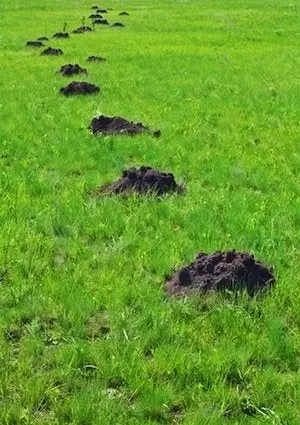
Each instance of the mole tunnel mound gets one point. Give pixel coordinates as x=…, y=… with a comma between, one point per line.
x=118, y=125
x=221, y=271
x=143, y=180
x=79, y=87
x=70, y=69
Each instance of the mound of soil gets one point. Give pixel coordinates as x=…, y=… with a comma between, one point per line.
x=143, y=180
x=118, y=24
x=101, y=11
x=93, y=16
x=72, y=70
x=118, y=125
x=81, y=30
x=43, y=39
x=61, y=35
x=220, y=271
x=124, y=14
x=79, y=87
x=100, y=22
x=53, y=52
x=95, y=7
x=35, y=44
x=96, y=59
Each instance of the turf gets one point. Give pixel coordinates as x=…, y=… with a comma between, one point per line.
x=87, y=333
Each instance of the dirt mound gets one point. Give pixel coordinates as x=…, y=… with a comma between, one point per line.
x=118, y=125
x=143, y=180
x=96, y=59
x=81, y=30
x=100, y=22
x=79, y=87
x=61, y=35
x=101, y=11
x=95, y=7
x=35, y=44
x=118, y=24
x=93, y=16
x=43, y=39
x=53, y=52
x=124, y=14
x=72, y=70
x=220, y=271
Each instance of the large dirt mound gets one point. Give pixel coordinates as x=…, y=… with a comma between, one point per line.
x=220, y=271
x=52, y=52
x=35, y=44
x=70, y=69
x=118, y=125
x=79, y=87
x=61, y=35
x=143, y=180
x=96, y=59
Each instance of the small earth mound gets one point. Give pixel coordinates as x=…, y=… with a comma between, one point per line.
x=100, y=22
x=93, y=16
x=101, y=11
x=79, y=87
x=43, y=39
x=124, y=14
x=143, y=180
x=72, y=70
x=118, y=125
x=81, y=30
x=61, y=35
x=35, y=44
x=118, y=24
x=96, y=59
x=221, y=271
x=52, y=52
x=95, y=7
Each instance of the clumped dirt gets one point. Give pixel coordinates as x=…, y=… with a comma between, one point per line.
x=118, y=24
x=95, y=7
x=220, y=271
x=93, y=16
x=35, y=44
x=82, y=30
x=96, y=59
x=61, y=35
x=79, y=87
x=124, y=14
x=101, y=11
x=70, y=69
x=100, y=22
x=118, y=125
x=143, y=180
x=43, y=38
x=52, y=52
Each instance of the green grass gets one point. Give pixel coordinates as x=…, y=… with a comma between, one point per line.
x=87, y=334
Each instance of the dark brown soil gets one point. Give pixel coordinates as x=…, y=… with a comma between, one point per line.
x=93, y=16
x=118, y=24
x=79, y=87
x=53, y=52
x=220, y=271
x=81, y=30
x=35, y=44
x=100, y=22
x=43, y=39
x=143, y=180
x=61, y=35
x=101, y=11
x=118, y=125
x=95, y=7
x=124, y=14
x=70, y=69
x=96, y=59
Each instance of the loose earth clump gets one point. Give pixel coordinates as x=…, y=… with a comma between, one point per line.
x=96, y=59
x=61, y=35
x=100, y=22
x=143, y=180
x=43, y=38
x=70, y=69
x=35, y=44
x=221, y=271
x=52, y=52
x=81, y=30
x=118, y=125
x=101, y=11
x=118, y=24
x=124, y=14
x=79, y=87
x=93, y=16
x=95, y=7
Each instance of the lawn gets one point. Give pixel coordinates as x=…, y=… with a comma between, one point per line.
x=88, y=335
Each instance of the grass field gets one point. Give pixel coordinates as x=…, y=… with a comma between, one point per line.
x=87, y=333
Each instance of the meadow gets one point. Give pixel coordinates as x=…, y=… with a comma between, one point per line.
x=88, y=335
